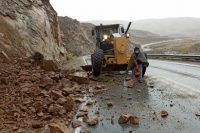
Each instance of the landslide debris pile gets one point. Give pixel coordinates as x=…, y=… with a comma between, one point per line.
x=76, y=36
x=27, y=26
x=31, y=98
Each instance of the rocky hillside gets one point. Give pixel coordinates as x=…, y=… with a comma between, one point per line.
x=78, y=40
x=27, y=26
x=144, y=37
x=76, y=36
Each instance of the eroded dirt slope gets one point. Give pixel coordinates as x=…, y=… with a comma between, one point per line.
x=76, y=37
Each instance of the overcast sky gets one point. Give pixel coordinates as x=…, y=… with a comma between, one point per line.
x=85, y=10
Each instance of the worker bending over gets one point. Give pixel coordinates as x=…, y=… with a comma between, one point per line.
x=136, y=64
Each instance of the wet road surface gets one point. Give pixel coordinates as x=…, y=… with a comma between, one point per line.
x=169, y=86
x=180, y=73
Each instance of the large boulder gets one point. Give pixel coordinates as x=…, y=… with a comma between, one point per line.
x=29, y=26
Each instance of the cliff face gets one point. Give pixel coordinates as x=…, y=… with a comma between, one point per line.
x=28, y=26
x=76, y=36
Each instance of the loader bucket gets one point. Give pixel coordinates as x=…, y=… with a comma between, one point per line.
x=111, y=67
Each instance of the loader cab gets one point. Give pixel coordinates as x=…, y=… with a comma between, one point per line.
x=108, y=30
x=105, y=34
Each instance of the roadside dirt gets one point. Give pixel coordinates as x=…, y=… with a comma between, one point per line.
x=35, y=97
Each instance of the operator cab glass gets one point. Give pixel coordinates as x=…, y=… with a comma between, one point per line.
x=105, y=34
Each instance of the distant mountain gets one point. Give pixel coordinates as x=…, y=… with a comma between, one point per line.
x=144, y=37
x=172, y=27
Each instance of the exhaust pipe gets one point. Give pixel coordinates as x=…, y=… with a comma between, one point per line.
x=129, y=25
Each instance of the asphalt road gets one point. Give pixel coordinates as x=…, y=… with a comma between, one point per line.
x=187, y=75
x=173, y=87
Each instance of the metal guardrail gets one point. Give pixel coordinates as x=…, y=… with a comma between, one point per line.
x=183, y=57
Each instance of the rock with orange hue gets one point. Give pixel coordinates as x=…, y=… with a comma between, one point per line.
x=92, y=121
x=68, y=105
x=82, y=114
x=124, y=118
x=76, y=124
x=98, y=87
x=67, y=91
x=80, y=77
x=58, y=128
x=164, y=114
x=61, y=101
x=49, y=65
x=134, y=120
x=55, y=94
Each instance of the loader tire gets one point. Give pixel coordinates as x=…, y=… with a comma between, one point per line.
x=97, y=58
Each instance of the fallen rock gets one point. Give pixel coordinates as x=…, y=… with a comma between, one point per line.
x=65, y=82
x=79, y=100
x=4, y=81
x=82, y=114
x=58, y=128
x=76, y=124
x=84, y=109
x=85, y=131
x=80, y=77
x=89, y=103
x=129, y=98
x=92, y=121
x=85, y=119
x=164, y=114
x=69, y=105
x=134, y=120
x=40, y=114
x=97, y=113
x=197, y=114
x=109, y=104
x=56, y=94
x=37, y=124
x=54, y=109
x=67, y=91
x=112, y=120
x=61, y=101
x=2, y=111
x=15, y=128
x=124, y=118
x=49, y=65
x=98, y=87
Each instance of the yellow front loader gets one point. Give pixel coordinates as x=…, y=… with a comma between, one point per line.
x=111, y=49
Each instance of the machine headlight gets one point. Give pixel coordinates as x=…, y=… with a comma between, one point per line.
x=127, y=35
x=105, y=37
